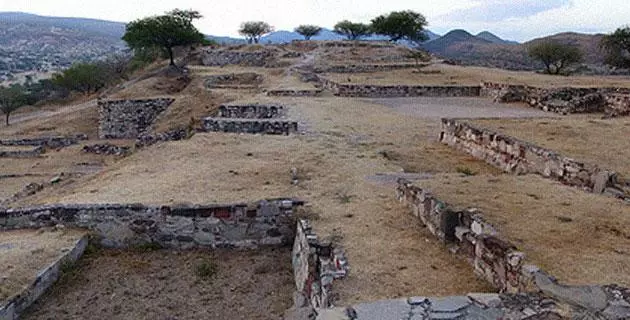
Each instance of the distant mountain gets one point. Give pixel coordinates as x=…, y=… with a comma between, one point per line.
x=283, y=36
x=489, y=50
x=486, y=35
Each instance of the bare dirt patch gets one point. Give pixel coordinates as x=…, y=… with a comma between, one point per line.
x=24, y=253
x=578, y=237
x=172, y=285
x=584, y=137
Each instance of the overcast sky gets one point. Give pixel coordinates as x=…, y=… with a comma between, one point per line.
x=515, y=20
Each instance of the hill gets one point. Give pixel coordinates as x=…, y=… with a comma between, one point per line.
x=283, y=36
x=486, y=35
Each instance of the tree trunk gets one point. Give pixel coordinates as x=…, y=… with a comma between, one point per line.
x=7, y=118
x=170, y=55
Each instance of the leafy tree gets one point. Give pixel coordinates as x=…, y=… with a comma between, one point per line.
x=351, y=30
x=308, y=31
x=401, y=25
x=617, y=47
x=166, y=32
x=253, y=30
x=11, y=99
x=83, y=77
x=555, y=56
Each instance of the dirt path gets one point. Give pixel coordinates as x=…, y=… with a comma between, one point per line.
x=58, y=112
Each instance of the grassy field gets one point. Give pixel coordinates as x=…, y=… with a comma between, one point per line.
x=586, y=138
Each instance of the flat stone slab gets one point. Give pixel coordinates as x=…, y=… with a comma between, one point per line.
x=383, y=310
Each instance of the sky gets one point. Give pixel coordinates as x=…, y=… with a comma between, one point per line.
x=519, y=20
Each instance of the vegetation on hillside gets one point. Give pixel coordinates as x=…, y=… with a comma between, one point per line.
x=11, y=99
x=166, y=32
x=555, y=56
x=617, y=47
x=308, y=31
x=253, y=30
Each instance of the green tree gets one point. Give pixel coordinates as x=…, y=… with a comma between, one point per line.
x=401, y=25
x=617, y=47
x=166, y=32
x=83, y=77
x=352, y=30
x=253, y=30
x=11, y=99
x=555, y=56
x=308, y=31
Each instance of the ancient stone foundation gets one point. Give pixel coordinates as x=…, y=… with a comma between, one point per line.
x=127, y=119
x=22, y=153
x=233, y=81
x=294, y=93
x=222, y=57
x=368, y=68
x=48, y=142
x=253, y=126
x=392, y=91
x=516, y=156
x=251, y=111
x=268, y=222
x=617, y=105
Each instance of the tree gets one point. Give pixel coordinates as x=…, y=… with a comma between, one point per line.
x=351, y=30
x=308, y=31
x=617, y=47
x=166, y=32
x=253, y=30
x=555, y=56
x=83, y=77
x=401, y=25
x=11, y=99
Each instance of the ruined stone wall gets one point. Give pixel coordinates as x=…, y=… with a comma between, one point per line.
x=316, y=264
x=251, y=111
x=233, y=80
x=127, y=119
x=49, y=142
x=560, y=100
x=617, y=105
x=391, y=91
x=222, y=57
x=368, y=68
x=269, y=222
x=22, y=153
x=294, y=93
x=516, y=156
x=493, y=259
x=262, y=126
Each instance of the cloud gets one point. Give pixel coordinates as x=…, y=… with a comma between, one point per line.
x=499, y=10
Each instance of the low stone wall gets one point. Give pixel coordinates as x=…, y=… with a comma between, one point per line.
x=392, y=91
x=107, y=149
x=294, y=93
x=316, y=264
x=516, y=156
x=127, y=119
x=222, y=57
x=494, y=259
x=251, y=111
x=148, y=139
x=48, y=142
x=369, y=68
x=617, y=105
x=45, y=279
x=262, y=126
x=22, y=153
x=269, y=222
x=560, y=100
x=233, y=80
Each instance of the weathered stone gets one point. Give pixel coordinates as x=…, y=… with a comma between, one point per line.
x=446, y=315
x=601, y=180
x=491, y=300
x=414, y=301
x=589, y=297
x=383, y=310
x=449, y=304
x=125, y=119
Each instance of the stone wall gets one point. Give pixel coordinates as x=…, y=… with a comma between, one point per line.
x=494, y=259
x=22, y=153
x=316, y=264
x=294, y=93
x=251, y=111
x=233, y=80
x=268, y=222
x=222, y=57
x=48, y=142
x=45, y=279
x=253, y=126
x=516, y=156
x=560, y=100
x=107, y=149
x=127, y=119
x=368, y=68
x=147, y=139
x=391, y=91
x=617, y=105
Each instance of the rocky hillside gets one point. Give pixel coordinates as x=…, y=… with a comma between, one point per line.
x=30, y=42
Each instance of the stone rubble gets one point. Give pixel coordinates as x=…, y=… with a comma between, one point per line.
x=22, y=153
x=107, y=149
x=147, y=139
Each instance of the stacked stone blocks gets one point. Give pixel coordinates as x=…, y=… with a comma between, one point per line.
x=127, y=119
x=251, y=118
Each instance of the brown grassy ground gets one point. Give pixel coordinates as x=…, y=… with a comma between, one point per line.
x=170, y=285
x=24, y=253
x=586, y=138
x=441, y=74
x=578, y=237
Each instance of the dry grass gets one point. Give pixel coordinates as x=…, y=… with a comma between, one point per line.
x=584, y=137
x=23, y=254
x=460, y=75
x=578, y=237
